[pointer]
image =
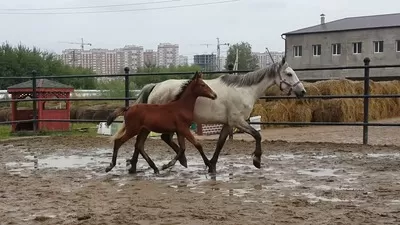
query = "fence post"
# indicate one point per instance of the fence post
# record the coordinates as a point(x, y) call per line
point(126, 69)
point(34, 105)
point(230, 68)
point(366, 100)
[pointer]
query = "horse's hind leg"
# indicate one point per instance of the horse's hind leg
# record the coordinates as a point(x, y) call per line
point(117, 144)
point(226, 129)
point(167, 138)
point(243, 125)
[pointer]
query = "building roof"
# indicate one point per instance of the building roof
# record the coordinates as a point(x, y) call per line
point(40, 83)
point(353, 23)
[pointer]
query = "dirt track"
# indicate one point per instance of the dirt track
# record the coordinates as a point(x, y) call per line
point(299, 183)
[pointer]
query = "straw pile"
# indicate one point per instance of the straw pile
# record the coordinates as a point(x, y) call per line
point(331, 110)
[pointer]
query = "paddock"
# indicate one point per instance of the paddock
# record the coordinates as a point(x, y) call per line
point(61, 180)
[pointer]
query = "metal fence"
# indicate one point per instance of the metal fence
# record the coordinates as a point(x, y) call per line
point(366, 96)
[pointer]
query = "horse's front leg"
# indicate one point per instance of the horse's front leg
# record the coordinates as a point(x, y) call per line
point(243, 125)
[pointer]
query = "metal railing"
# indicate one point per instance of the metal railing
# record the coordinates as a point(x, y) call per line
point(366, 96)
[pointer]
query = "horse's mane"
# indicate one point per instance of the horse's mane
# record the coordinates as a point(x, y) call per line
point(250, 78)
point(183, 88)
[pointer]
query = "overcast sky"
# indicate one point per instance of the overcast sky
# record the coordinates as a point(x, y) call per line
point(259, 22)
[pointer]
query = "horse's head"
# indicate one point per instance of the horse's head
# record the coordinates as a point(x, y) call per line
point(288, 80)
point(200, 88)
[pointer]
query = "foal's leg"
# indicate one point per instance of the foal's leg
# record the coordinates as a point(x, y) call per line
point(140, 140)
point(188, 135)
point(140, 145)
point(117, 144)
point(243, 125)
point(167, 138)
point(182, 148)
point(225, 131)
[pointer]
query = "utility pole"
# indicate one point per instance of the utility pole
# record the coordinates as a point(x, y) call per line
point(219, 53)
point(272, 59)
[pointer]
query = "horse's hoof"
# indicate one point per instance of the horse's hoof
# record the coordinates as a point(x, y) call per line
point(164, 167)
point(256, 162)
point(156, 171)
point(108, 169)
point(132, 171)
point(183, 161)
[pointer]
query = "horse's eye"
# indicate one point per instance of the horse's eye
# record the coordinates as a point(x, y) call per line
point(289, 74)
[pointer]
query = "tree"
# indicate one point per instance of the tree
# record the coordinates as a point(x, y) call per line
point(21, 61)
point(247, 60)
point(140, 81)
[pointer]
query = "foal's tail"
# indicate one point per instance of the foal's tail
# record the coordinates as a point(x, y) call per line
point(119, 133)
point(118, 112)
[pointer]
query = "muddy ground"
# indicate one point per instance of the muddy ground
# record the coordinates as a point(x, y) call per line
point(61, 180)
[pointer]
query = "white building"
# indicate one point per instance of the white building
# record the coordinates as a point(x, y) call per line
point(183, 60)
point(104, 61)
point(167, 54)
point(264, 59)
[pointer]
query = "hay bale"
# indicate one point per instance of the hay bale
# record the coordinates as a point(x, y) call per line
point(336, 87)
point(5, 115)
point(338, 110)
point(300, 113)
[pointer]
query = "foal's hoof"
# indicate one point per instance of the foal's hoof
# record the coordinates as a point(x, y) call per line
point(183, 161)
point(257, 162)
point(212, 169)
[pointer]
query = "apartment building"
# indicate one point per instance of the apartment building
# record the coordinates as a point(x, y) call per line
point(104, 61)
point(264, 59)
point(167, 54)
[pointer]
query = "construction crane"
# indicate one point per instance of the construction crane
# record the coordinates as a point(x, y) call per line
point(80, 43)
point(219, 53)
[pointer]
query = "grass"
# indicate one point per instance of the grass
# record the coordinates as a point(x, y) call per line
point(77, 129)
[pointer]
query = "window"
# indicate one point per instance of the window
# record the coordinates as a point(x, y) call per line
point(297, 51)
point(378, 46)
point(398, 46)
point(357, 46)
point(336, 49)
point(316, 50)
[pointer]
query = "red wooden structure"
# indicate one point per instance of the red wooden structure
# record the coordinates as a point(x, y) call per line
point(45, 109)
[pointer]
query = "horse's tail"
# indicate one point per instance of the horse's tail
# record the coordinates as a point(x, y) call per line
point(118, 112)
point(143, 96)
point(119, 133)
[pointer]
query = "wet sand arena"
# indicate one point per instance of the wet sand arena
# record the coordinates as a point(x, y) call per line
point(61, 180)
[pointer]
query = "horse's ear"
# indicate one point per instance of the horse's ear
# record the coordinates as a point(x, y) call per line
point(195, 75)
point(198, 75)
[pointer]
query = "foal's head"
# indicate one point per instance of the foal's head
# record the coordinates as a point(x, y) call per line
point(197, 87)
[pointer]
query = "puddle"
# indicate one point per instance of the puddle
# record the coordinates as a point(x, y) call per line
point(319, 172)
point(236, 174)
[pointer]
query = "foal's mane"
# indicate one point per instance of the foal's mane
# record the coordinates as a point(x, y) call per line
point(183, 88)
point(251, 78)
